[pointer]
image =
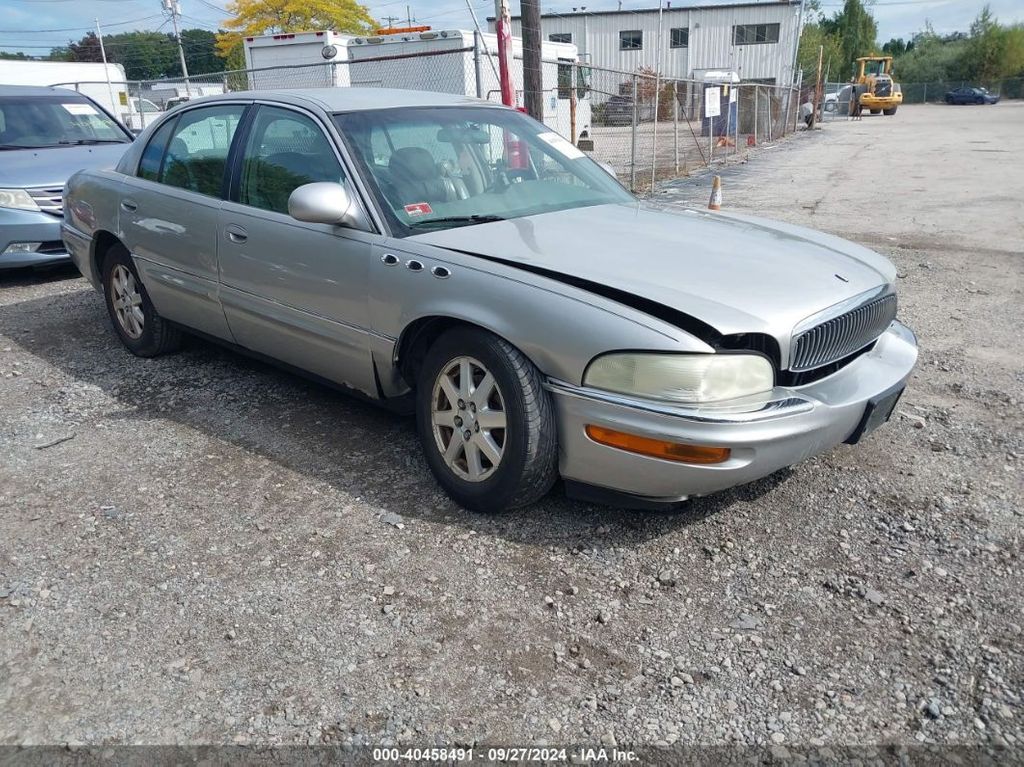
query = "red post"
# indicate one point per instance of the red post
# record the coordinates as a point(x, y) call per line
point(503, 26)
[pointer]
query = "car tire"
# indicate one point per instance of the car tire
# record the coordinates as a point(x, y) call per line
point(891, 111)
point(136, 321)
point(510, 457)
point(876, 111)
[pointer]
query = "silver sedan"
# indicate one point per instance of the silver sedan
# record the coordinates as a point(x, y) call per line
point(456, 259)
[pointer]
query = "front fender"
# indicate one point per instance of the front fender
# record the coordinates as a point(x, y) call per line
point(561, 328)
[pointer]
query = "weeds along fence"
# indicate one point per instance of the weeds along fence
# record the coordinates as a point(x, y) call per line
point(648, 128)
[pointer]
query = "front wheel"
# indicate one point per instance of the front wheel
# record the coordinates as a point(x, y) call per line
point(486, 424)
point(876, 111)
point(136, 321)
point(890, 111)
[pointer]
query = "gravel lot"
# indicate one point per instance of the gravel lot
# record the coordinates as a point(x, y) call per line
point(220, 552)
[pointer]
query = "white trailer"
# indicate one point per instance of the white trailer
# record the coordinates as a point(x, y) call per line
point(445, 61)
point(90, 79)
point(297, 60)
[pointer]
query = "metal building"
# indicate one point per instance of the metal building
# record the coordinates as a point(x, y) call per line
point(757, 40)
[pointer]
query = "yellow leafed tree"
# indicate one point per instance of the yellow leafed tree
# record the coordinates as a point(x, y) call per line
point(259, 17)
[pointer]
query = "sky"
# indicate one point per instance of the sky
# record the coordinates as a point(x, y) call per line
point(34, 26)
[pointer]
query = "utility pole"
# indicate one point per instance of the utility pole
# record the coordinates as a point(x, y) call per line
point(503, 27)
point(106, 69)
point(173, 7)
point(389, 21)
point(532, 85)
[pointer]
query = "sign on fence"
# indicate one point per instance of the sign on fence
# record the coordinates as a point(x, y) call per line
point(712, 104)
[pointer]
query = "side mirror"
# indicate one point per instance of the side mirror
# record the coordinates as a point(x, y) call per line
point(325, 202)
point(608, 169)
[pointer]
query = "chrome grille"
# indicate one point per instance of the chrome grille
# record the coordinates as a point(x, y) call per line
point(843, 335)
point(48, 198)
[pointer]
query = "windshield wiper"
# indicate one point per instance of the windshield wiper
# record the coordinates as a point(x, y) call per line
point(81, 141)
point(474, 219)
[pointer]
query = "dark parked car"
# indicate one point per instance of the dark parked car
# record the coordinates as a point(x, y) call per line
point(970, 96)
point(618, 110)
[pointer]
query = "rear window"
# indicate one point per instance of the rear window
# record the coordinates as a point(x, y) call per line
point(35, 122)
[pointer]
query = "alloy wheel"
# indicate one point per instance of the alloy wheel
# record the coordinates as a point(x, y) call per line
point(127, 301)
point(468, 419)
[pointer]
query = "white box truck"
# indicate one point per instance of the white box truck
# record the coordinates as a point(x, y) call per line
point(88, 78)
point(444, 61)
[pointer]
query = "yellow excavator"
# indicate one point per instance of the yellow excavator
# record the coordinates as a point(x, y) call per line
point(878, 91)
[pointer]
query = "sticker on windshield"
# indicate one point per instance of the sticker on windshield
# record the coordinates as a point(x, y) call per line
point(418, 209)
point(80, 109)
point(560, 145)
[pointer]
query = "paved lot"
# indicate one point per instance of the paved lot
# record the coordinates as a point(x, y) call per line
point(222, 552)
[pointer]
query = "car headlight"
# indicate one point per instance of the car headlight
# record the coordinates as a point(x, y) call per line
point(693, 378)
point(17, 198)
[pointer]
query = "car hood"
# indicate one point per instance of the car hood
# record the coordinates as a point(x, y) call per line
point(52, 166)
point(737, 273)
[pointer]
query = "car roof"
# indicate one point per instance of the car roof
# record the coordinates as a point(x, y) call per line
point(352, 99)
point(35, 90)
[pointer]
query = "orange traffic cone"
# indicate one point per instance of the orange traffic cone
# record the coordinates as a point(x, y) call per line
point(715, 203)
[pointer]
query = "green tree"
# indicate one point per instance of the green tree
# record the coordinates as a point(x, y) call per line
point(147, 55)
point(19, 56)
point(813, 38)
point(201, 51)
point(897, 46)
point(993, 51)
point(855, 29)
point(258, 17)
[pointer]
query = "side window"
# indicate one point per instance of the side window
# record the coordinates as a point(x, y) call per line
point(198, 150)
point(285, 150)
point(153, 154)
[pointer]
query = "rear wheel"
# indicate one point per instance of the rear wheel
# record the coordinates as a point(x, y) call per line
point(486, 424)
point(949, 99)
point(135, 319)
point(890, 111)
point(876, 111)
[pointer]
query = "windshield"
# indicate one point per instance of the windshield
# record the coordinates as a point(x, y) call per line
point(441, 167)
point(32, 122)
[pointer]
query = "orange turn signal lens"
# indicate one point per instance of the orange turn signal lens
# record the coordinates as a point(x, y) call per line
point(657, 448)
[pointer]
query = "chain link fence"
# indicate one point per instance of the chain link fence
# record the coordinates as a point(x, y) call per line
point(935, 91)
point(646, 127)
point(837, 96)
point(650, 128)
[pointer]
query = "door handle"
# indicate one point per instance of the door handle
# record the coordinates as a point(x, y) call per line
point(129, 206)
point(236, 233)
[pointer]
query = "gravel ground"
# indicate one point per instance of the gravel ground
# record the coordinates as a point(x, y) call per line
point(219, 552)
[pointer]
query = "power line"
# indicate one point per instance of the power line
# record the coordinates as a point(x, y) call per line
point(74, 29)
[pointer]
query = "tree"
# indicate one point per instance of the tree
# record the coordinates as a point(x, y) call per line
point(813, 38)
point(86, 49)
point(855, 29)
point(19, 56)
point(148, 55)
point(897, 47)
point(993, 51)
point(258, 17)
point(201, 51)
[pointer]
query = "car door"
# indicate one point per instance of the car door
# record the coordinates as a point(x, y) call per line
point(292, 290)
point(169, 214)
